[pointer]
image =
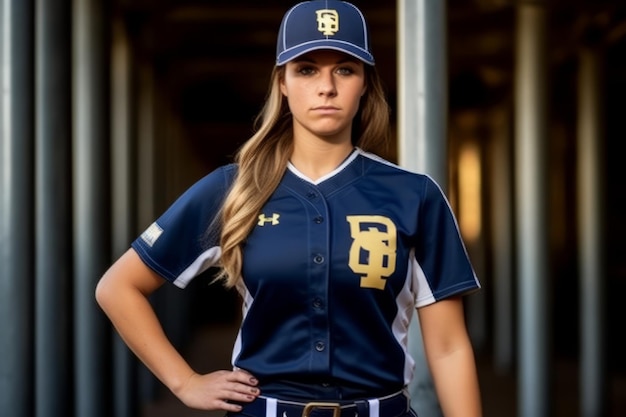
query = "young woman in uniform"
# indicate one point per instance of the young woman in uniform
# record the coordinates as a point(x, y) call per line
point(330, 247)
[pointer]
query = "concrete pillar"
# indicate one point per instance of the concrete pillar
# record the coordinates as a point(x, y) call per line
point(591, 197)
point(531, 200)
point(501, 185)
point(422, 136)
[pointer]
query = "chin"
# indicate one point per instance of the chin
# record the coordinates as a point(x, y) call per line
point(331, 132)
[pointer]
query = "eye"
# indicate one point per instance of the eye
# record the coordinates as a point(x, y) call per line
point(345, 71)
point(305, 70)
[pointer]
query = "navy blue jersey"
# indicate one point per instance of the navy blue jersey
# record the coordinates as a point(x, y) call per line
point(332, 273)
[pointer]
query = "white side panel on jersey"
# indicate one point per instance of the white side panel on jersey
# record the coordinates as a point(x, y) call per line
point(424, 293)
point(207, 259)
point(400, 326)
point(247, 303)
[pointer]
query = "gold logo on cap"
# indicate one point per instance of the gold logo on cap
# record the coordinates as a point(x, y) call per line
point(327, 21)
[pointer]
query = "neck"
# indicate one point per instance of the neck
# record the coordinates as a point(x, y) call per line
point(317, 158)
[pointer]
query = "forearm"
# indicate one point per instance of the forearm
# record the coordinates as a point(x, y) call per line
point(141, 331)
point(123, 295)
point(451, 358)
point(456, 382)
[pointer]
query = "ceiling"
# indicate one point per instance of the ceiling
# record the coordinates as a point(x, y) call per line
point(212, 59)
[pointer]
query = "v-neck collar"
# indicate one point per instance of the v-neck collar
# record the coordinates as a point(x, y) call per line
point(351, 157)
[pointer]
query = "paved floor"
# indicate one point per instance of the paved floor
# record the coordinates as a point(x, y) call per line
point(212, 345)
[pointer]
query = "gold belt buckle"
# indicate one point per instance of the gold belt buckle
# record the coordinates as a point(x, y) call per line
point(309, 407)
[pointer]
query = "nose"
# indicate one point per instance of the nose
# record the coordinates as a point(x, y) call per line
point(327, 85)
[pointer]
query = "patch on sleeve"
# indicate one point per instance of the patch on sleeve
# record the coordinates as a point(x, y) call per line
point(151, 234)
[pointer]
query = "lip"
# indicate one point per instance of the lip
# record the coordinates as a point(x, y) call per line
point(325, 109)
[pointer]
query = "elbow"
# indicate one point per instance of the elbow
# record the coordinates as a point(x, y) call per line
point(98, 293)
point(103, 292)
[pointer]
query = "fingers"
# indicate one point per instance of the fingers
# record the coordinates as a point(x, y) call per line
point(240, 386)
point(220, 390)
point(244, 377)
point(236, 386)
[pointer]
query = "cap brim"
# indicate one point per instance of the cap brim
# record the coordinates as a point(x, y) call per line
point(345, 47)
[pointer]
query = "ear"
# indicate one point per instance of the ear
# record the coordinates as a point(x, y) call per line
point(283, 87)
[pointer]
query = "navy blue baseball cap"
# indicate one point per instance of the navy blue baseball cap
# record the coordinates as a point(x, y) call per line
point(323, 24)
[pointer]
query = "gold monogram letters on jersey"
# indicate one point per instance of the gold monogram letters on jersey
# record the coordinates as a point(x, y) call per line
point(376, 236)
point(327, 21)
point(273, 220)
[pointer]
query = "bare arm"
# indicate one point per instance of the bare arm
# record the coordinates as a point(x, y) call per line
point(123, 295)
point(451, 358)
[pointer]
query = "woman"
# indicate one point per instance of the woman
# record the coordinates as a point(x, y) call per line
point(330, 247)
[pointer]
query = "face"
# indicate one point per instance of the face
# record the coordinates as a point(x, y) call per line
point(323, 89)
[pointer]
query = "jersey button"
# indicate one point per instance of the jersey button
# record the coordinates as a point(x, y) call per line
point(318, 219)
point(320, 346)
point(318, 259)
point(311, 195)
point(317, 303)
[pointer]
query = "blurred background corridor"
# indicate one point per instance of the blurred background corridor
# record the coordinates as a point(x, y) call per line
point(110, 109)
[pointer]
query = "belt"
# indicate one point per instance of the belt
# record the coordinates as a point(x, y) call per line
point(393, 405)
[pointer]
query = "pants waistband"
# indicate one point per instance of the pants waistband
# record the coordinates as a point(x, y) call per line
point(393, 405)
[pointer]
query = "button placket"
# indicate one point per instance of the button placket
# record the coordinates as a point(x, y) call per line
point(319, 235)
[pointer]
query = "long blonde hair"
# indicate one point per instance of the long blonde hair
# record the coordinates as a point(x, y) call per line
point(263, 159)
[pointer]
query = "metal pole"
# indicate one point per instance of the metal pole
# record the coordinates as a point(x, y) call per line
point(123, 204)
point(591, 243)
point(16, 208)
point(422, 91)
point(501, 184)
point(53, 212)
point(422, 136)
point(530, 140)
point(91, 207)
point(146, 189)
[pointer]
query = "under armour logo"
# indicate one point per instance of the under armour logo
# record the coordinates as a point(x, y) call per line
point(273, 220)
point(327, 21)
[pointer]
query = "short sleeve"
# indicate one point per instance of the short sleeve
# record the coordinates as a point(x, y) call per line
point(184, 241)
point(442, 264)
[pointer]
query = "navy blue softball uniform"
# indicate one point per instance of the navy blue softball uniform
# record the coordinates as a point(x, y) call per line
point(332, 273)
